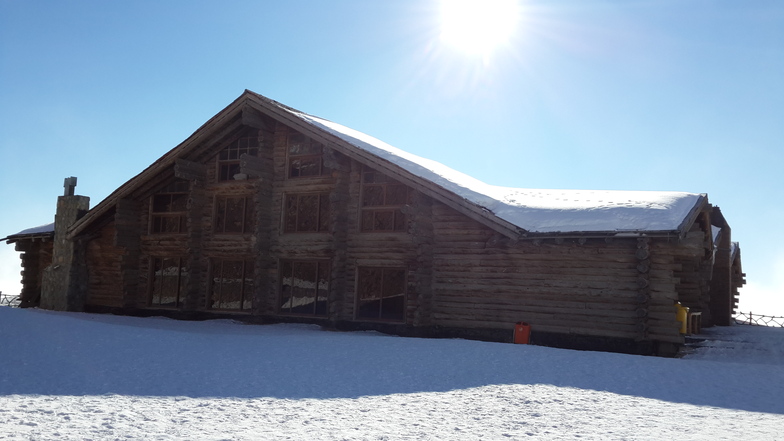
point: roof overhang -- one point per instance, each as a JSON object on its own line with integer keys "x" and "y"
{"x": 246, "y": 111}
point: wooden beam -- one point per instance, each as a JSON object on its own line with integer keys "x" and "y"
{"x": 191, "y": 171}
{"x": 253, "y": 166}
{"x": 253, "y": 118}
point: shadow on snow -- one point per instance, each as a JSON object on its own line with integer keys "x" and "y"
{"x": 50, "y": 353}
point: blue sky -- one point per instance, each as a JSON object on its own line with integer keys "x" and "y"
{"x": 627, "y": 95}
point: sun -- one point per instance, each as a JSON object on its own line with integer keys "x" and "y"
{"x": 478, "y": 26}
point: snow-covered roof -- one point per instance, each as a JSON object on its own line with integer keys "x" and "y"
{"x": 533, "y": 210}
{"x": 48, "y": 228}
{"x": 734, "y": 249}
{"x": 513, "y": 211}
{"x": 42, "y": 230}
{"x": 715, "y": 233}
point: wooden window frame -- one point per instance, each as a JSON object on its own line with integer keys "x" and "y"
{"x": 247, "y": 284}
{"x": 380, "y": 317}
{"x": 248, "y": 222}
{"x": 322, "y": 213}
{"x": 323, "y": 272}
{"x": 182, "y": 275}
{"x": 391, "y": 198}
{"x": 228, "y": 159}
{"x": 158, "y": 217}
{"x": 295, "y": 172}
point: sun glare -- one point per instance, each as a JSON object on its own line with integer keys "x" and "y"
{"x": 478, "y": 26}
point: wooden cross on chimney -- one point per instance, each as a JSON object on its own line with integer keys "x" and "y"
{"x": 70, "y": 185}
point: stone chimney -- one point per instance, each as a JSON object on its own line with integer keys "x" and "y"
{"x": 63, "y": 287}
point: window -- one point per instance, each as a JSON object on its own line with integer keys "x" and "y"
{"x": 381, "y": 293}
{"x": 234, "y": 215}
{"x": 383, "y": 200}
{"x": 229, "y": 158}
{"x": 306, "y": 213}
{"x": 169, "y": 277}
{"x": 304, "y": 287}
{"x": 231, "y": 286}
{"x": 168, "y": 208}
{"x": 304, "y": 156}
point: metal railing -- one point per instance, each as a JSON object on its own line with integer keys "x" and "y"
{"x": 747, "y": 318}
{"x": 9, "y": 300}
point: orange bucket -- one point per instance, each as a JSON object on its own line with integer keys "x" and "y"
{"x": 522, "y": 333}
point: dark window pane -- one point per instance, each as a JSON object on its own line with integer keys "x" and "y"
{"x": 400, "y": 221}
{"x": 168, "y": 224}
{"x": 166, "y": 282}
{"x": 157, "y": 224}
{"x": 249, "y": 223}
{"x": 172, "y": 224}
{"x": 373, "y": 196}
{"x": 307, "y": 213}
{"x": 394, "y": 282}
{"x": 235, "y": 215}
{"x": 161, "y": 203}
{"x": 179, "y": 202}
{"x": 367, "y": 220}
{"x": 369, "y": 309}
{"x": 228, "y": 170}
{"x": 290, "y": 221}
{"x": 381, "y": 294}
{"x": 397, "y": 195}
{"x": 324, "y": 214}
{"x": 369, "y": 283}
{"x": 157, "y": 273}
{"x": 220, "y": 215}
{"x": 285, "y": 285}
{"x": 384, "y": 221}
{"x": 323, "y": 289}
{"x": 229, "y": 157}
{"x": 232, "y": 284}
{"x": 304, "y": 287}
{"x": 310, "y": 166}
{"x": 304, "y": 156}
{"x": 297, "y": 144}
{"x": 392, "y": 309}
{"x": 249, "y": 286}
{"x": 294, "y": 167}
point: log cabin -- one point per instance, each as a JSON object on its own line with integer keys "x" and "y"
{"x": 268, "y": 214}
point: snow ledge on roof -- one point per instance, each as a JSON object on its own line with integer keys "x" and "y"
{"x": 48, "y": 228}
{"x": 533, "y": 210}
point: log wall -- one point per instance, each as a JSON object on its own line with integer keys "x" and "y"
{"x": 593, "y": 287}
{"x": 36, "y": 256}
{"x": 459, "y": 273}
{"x": 104, "y": 273}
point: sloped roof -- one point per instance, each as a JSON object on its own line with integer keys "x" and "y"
{"x": 32, "y": 233}
{"x": 535, "y": 210}
{"x": 515, "y": 212}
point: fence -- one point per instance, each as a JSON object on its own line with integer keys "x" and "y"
{"x": 9, "y": 300}
{"x": 743, "y": 318}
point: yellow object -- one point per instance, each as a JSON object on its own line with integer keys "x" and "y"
{"x": 681, "y": 314}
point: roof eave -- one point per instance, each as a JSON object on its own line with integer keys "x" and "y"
{"x": 20, "y": 237}
{"x": 474, "y": 211}
{"x": 161, "y": 164}
{"x": 691, "y": 217}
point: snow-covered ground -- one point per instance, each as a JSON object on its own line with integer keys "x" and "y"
{"x": 83, "y": 376}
